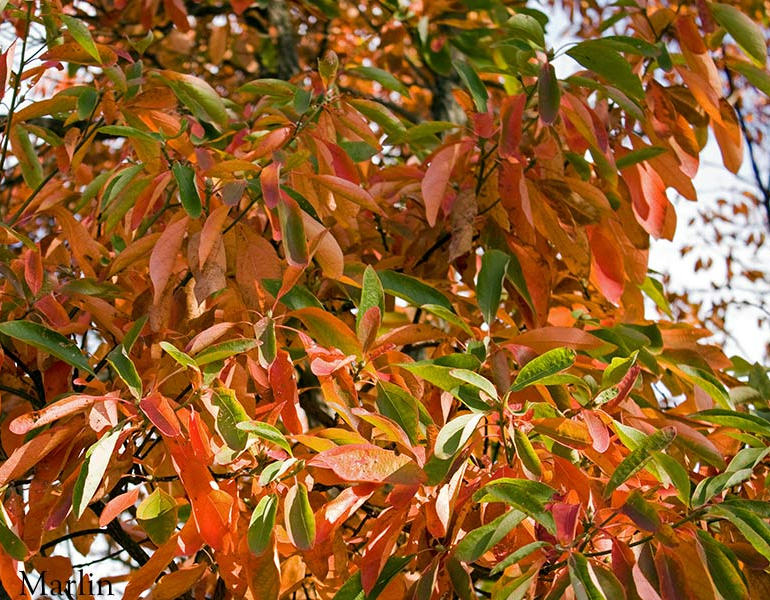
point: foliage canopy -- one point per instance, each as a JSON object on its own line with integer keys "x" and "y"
{"x": 347, "y": 300}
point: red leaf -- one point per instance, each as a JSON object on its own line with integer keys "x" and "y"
{"x": 511, "y": 117}
{"x": 211, "y": 232}
{"x": 160, "y": 414}
{"x": 349, "y": 190}
{"x": 367, "y": 463}
{"x": 597, "y": 430}
{"x": 624, "y": 387}
{"x": 27, "y": 456}
{"x": 284, "y": 385}
{"x": 33, "y": 270}
{"x": 648, "y": 199}
{"x": 117, "y": 505}
{"x": 212, "y": 521}
{"x": 606, "y": 264}
{"x": 565, "y": 516}
{"x": 336, "y": 512}
{"x": 547, "y": 338}
{"x": 434, "y": 184}
{"x": 268, "y": 179}
{"x": 62, "y": 408}
{"x": 163, "y": 257}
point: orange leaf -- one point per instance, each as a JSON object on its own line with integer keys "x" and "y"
{"x": 269, "y": 180}
{"x": 33, "y": 270}
{"x": 434, "y": 183}
{"x": 117, "y": 505}
{"x": 348, "y": 190}
{"x": 62, "y": 408}
{"x": 160, "y": 414}
{"x": 607, "y": 269}
{"x": 163, "y": 257}
{"x": 327, "y": 251}
{"x": 335, "y": 512}
{"x": 367, "y": 463}
{"x": 211, "y": 232}
{"x": 284, "y": 385}
{"x": 566, "y": 431}
{"x": 27, "y": 456}
{"x": 142, "y": 579}
{"x": 211, "y": 521}
{"x": 547, "y": 338}
{"x": 328, "y": 330}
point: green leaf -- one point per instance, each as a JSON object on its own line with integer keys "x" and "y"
{"x": 709, "y": 384}
{"x": 516, "y": 276}
{"x": 87, "y": 101}
{"x": 602, "y": 59}
{"x": 753, "y": 528}
{"x": 637, "y": 156}
{"x": 631, "y": 45}
{"x": 180, "y": 357}
{"x": 381, "y": 115}
{"x": 441, "y": 376}
{"x": 11, "y": 543}
{"x": 293, "y": 229}
{"x": 477, "y": 542}
{"x": 723, "y": 567}
{"x": 47, "y": 340}
{"x": 385, "y": 79}
{"x": 372, "y": 295}
{"x": 617, "y": 369}
{"x": 548, "y": 94}
{"x": 526, "y": 453}
{"x": 296, "y": 298}
{"x": 225, "y": 350}
{"x": 639, "y": 457}
{"x": 527, "y": 28}
{"x": 357, "y": 151}
{"x": 230, "y": 413}
{"x": 157, "y": 514}
{"x": 676, "y": 473}
{"x": 527, "y": 496}
{"x": 478, "y": 381}
{"x": 522, "y": 552}
{"x": 455, "y": 434}
{"x": 744, "y": 30}
{"x": 474, "y": 84}
{"x": 448, "y": 316}
{"x": 757, "y": 77}
{"x": 397, "y": 404}
{"x": 133, "y": 333}
{"x": 489, "y": 286}
{"x": 277, "y": 88}
{"x": 266, "y": 432}
{"x": 129, "y": 132}
{"x": 188, "y": 190}
{"x": 198, "y": 96}
{"x": 413, "y": 290}
{"x": 353, "y": 590}
{"x": 262, "y": 524}
{"x": 90, "y": 477}
{"x": 641, "y": 512}
{"x": 82, "y": 36}
{"x": 580, "y": 577}
{"x": 25, "y": 153}
{"x": 299, "y": 519}
{"x": 426, "y": 129}
{"x": 120, "y": 362}
{"x": 548, "y": 363}
{"x": 654, "y": 290}
{"x": 739, "y": 420}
